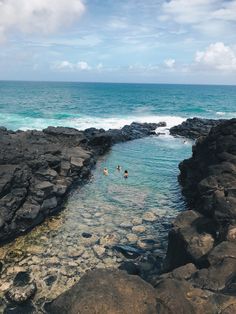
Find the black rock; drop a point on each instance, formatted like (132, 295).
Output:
(86, 235)
(128, 251)
(194, 128)
(130, 268)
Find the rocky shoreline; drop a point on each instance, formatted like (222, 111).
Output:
(200, 266)
(38, 169)
(199, 274)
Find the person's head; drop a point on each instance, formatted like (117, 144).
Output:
(126, 171)
(105, 169)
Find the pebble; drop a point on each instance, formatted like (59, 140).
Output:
(75, 252)
(150, 217)
(138, 229)
(86, 255)
(137, 221)
(126, 225)
(86, 235)
(99, 250)
(5, 286)
(131, 237)
(109, 239)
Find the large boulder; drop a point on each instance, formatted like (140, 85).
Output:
(107, 292)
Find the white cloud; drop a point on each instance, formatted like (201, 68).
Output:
(206, 15)
(37, 16)
(143, 68)
(170, 63)
(67, 66)
(217, 56)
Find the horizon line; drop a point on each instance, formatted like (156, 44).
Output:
(105, 82)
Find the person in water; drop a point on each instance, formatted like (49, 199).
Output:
(126, 174)
(105, 172)
(118, 168)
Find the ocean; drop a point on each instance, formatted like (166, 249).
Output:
(108, 205)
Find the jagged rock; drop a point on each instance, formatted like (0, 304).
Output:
(189, 240)
(194, 128)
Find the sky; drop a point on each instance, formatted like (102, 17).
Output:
(151, 41)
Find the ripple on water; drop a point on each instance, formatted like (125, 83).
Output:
(110, 209)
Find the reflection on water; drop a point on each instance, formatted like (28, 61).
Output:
(109, 210)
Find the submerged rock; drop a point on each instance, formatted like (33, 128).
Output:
(129, 251)
(149, 216)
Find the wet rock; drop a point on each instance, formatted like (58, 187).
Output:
(25, 308)
(137, 221)
(131, 237)
(21, 279)
(126, 225)
(147, 244)
(86, 235)
(149, 217)
(49, 280)
(109, 239)
(129, 251)
(75, 252)
(130, 268)
(21, 294)
(139, 229)
(231, 234)
(106, 291)
(99, 250)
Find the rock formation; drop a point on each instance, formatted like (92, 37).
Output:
(194, 128)
(38, 168)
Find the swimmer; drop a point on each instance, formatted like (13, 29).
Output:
(126, 174)
(118, 168)
(105, 172)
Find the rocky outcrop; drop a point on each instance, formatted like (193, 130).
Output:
(106, 292)
(38, 168)
(194, 128)
(205, 235)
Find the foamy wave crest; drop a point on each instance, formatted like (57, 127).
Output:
(13, 121)
(226, 115)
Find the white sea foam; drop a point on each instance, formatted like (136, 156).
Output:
(14, 121)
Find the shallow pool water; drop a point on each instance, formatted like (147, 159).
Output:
(107, 211)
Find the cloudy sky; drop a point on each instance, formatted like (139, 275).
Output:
(174, 41)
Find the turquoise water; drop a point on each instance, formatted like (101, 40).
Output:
(37, 105)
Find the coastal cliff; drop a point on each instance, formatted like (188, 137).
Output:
(200, 266)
